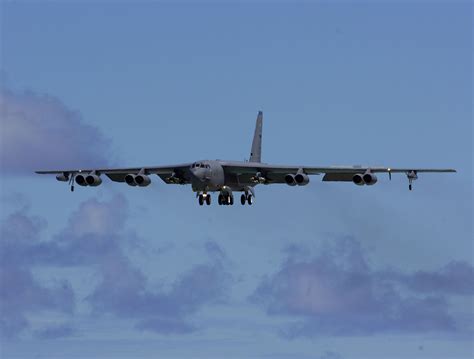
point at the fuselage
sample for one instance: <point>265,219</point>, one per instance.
<point>209,176</point>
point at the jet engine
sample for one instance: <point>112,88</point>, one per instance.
<point>301,179</point>
<point>93,180</point>
<point>137,180</point>
<point>369,179</point>
<point>290,180</point>
<point>358,179</point>
<point>63,177</point>
<point>142,180</point>
<point>130,179</point>
<point>81,180</point>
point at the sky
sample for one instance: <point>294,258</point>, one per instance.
<point>324,271</point>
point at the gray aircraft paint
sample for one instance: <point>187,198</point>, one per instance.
<point>227,177</point>
<point>256,151</point>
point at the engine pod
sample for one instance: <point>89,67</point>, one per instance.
<point>358,179</point>
<point>93,180</point>
<point>301,179</point>
<point>142,180</point>
<point>290,180</point>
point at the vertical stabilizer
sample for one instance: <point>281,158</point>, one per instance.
<point>256,152</point>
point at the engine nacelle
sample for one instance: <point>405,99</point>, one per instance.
<point>142,180</point>
<point>63,177</point>
<point>93,180</point>
<point>137,180</point>
<point>301,179</point>
<point>358,179</point>
<point>290,180</point>
<point>369,179</point>
<point>130,180</point>
<point>81,180</point>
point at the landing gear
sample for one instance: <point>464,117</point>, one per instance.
<point>246,198</point>
<point>204,198</point>
<point>412,176</point>
<point>225,200</point>
<point>71,182</point>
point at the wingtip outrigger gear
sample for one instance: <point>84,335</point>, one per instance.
<point>411,175</point>
<point>71,182</point>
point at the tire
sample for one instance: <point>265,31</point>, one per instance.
<point>201,199</point>
<point>243,199</point>
<point>208,199</point>
<point>231,200</point>
<point>250,199</point>
<point>219,199</point>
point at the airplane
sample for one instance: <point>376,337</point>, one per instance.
<point>227,177</point>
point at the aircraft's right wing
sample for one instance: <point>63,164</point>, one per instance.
<point>174,174</point>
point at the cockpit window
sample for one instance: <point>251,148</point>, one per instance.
<point>200,165</point>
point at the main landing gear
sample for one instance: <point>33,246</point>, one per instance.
<point>204,197</point>
<point>225,200</point>
<point>246,198</point>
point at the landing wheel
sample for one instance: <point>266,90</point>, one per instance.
<point>250,199</point>
<point>243,199</point>
<point>201,200</point>
<point>230,200</point>
<point>220,199</point>
<point>208,199</point>
<point>410,187</point>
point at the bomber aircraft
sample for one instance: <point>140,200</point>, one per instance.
<point>227,177</point>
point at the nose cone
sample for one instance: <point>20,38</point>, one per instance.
<point>199,173</point>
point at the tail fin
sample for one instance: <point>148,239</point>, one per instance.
<point>256,152</point>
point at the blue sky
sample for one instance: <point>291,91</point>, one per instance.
<point>323,271</point>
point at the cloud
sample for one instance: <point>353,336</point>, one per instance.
<point>21,293</point>
<point>455,277</point>
<point>96,237</point>
<point>40,132</point>
<point>166,326</point>
<point>338,293</point>
<point>55,332</point>
<point>156,309</point>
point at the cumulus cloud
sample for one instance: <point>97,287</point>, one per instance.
<point>338,293</point>
<point>21,293</point>
<point>96,237</point>
<point>55,331</point>
<point>40,132</point>
<point>455,277</point>
<point>124,292</point>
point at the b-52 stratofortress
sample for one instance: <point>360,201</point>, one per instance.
<point>227,177</point>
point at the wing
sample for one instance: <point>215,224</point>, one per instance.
<point>246,171</point>
<point>173,174</point>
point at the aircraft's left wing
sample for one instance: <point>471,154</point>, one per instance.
<point>174,174</point>
<point>278,174</point>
